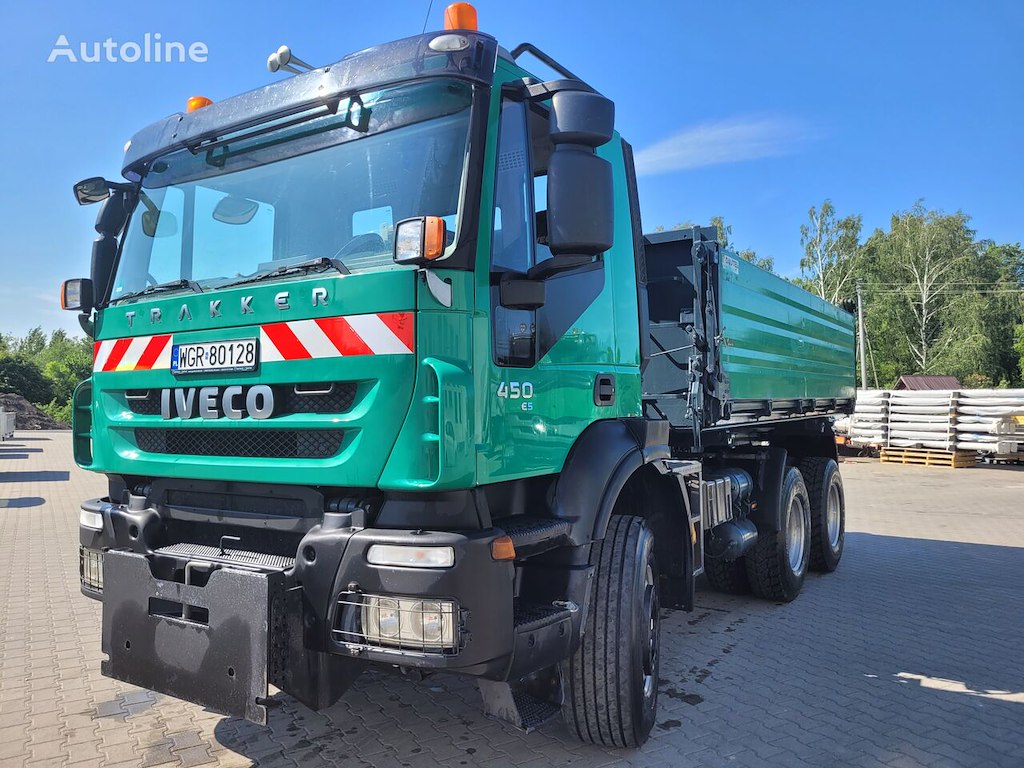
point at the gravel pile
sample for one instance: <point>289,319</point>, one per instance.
<point>26,415</point>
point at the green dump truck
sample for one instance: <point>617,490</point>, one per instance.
<point>388,376</point>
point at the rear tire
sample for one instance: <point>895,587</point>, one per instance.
<point>611,681</point>
<point>777,563</point>
<point>828,512</point>
<point>728,576</point>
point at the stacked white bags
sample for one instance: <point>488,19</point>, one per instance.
<point>960,419</point>
<point>985,420</point>
<point>868,424</point>
<point>922,419</point>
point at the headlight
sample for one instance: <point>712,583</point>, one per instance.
<point>423,624</point>
<point>92,520</point>
<point>411,557</point>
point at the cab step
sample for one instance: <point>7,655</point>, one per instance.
<point>533,535</point>
<point>516,706</point>
<point>532,617</point>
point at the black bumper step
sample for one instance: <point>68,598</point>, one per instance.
<point>227,556</point>
<point>533,535</point>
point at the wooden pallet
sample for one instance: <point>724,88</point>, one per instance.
<point>929,457</point>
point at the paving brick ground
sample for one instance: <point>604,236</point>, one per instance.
<point>909,655</point>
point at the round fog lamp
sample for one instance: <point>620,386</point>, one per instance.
<point>389,617</point>
<point>433,622</point>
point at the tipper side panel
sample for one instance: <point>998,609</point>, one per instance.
<point>781,342</point>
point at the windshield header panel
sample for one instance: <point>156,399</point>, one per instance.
<point>395,62</point>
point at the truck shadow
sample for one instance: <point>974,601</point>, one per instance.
<point>15,451</point>
<point>40,476</point>
<point>23,503</point>
<point>900,654</point>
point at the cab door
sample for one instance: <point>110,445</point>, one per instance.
<point>546,364</point>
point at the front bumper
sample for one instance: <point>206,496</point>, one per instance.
<point>182,619</point>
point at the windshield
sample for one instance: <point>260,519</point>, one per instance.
<point>329,187</point>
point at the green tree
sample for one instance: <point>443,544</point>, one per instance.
<point>831,248</point>
<point>1018,347</point>
<point>939,301</point>
<point>65,361</point>
<point>22,377</point>
<point>31,345</point>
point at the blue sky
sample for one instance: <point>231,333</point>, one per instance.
<point>751,110</point>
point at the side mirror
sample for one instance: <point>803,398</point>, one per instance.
<point>419,240</point>
<point>92,190</point>
<point>77,294</point>
<point>581,195</point>
<point>113,214</point>
<point>104,254</point>
<point>521,293</point>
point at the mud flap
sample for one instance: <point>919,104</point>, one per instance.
<point>217,658</point>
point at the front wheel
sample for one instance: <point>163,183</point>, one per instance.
<point>777,563</point>
<point>611,682</point>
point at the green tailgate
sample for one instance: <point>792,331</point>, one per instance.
<point>780,342</point>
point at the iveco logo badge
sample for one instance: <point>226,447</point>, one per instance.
<point>235,402</point>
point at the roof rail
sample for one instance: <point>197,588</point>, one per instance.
<point>537,53</point>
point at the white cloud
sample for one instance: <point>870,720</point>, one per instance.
<point>719,142</point>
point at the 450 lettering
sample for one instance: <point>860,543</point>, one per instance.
<point>517,390</point>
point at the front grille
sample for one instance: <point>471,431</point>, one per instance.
<point>313,397</point>
<point>244,443</point>
<point>272,506</point>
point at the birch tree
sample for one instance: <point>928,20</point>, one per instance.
<point>831,250</point>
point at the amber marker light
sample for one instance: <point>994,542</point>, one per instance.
<point>433,237</point>
<point>197,102</point>
<point>460,16</point>
<point>502,548</point>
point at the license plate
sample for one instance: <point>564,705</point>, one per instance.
<point>212,356</point>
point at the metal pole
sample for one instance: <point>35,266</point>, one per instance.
<point>860,333</point>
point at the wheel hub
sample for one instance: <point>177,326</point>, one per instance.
<point>833,515</point>
<point>651,610</point>
<point>796,534</point>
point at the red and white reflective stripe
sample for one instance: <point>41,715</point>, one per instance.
<point>387,333</point>
<point>143,353</point>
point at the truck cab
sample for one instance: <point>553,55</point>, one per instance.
<point>372,387</point>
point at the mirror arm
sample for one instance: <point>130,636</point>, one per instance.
<point>529,89</point>
<point>558,264</point>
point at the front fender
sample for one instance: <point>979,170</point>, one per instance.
<point>600,462</point>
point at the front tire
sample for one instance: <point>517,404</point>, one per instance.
<point>828,511</point>
<point>777,563</point>
<point>611,681</point>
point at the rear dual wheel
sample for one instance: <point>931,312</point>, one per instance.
<point>778,562</point>
<point>828,511</point>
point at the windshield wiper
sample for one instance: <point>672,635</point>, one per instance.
<point>313,265</point>
<point>171,285</point>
